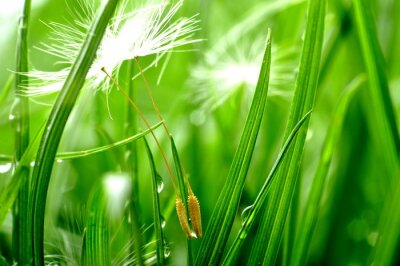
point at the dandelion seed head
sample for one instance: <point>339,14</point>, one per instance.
<point>149,30</point>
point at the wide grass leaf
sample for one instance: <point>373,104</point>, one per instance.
<point>55,127</point>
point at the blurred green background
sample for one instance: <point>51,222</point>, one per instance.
<point>204,96</point>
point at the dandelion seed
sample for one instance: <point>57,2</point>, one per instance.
<point>232,63</point>
<point>224,73</point>
<point>142,32</point>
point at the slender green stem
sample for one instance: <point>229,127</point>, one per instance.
<point>20,111</point>
<point>55,127</point>
<point>131,163</point>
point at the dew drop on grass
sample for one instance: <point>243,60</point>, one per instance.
<point>167,249</point>
<point>245,213</point>
<point>160,183</point>
<point>4,168</point>
<point>163,222</point>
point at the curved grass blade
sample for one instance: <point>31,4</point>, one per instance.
<point>234,251</point>
<point>221,221</point>
<point>285,183</point>
<point>97,237</point>
<point>20,111</point>
<point>79,154</point>
<point>55,127</point>
<point>156,209</point>
<point>311,211</point>
<point>183,191</point>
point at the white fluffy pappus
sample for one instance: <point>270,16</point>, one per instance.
<point>149,30</point>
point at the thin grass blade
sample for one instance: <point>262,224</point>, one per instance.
<point>97,237</point>
<point>20,113</point>
<point>183,190</point>
<point>221,221</point>
<point>156,209</point>
<point>79,154</point>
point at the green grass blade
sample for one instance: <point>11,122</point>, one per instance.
<point>183,190</point>
<point>248,223</point>
<point>79,154</point>
<point>303,101</point>
<point>10,192</point>
<point>221,221</point>
<point>310,213</point>
<point>156,209</point>
<point>6,89</point>
<point>387,246</point>
<point>382,124</point>
<point>378,105</point>
<point>20,111</point>
<point>97,237</point>
<point>131,166</point>
<point>55,126</point>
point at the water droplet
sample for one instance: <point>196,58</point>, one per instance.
<point>245,213</point>
<point>4,168</point>
<point>32,164</point>
<point>59,161</point>
<point>160,183</point>
<point>163,222</point>
<point>167,249</point>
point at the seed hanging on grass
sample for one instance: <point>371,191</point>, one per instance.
<point>183,220</point>
<point>194,213</point>
<point>180,207</point>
